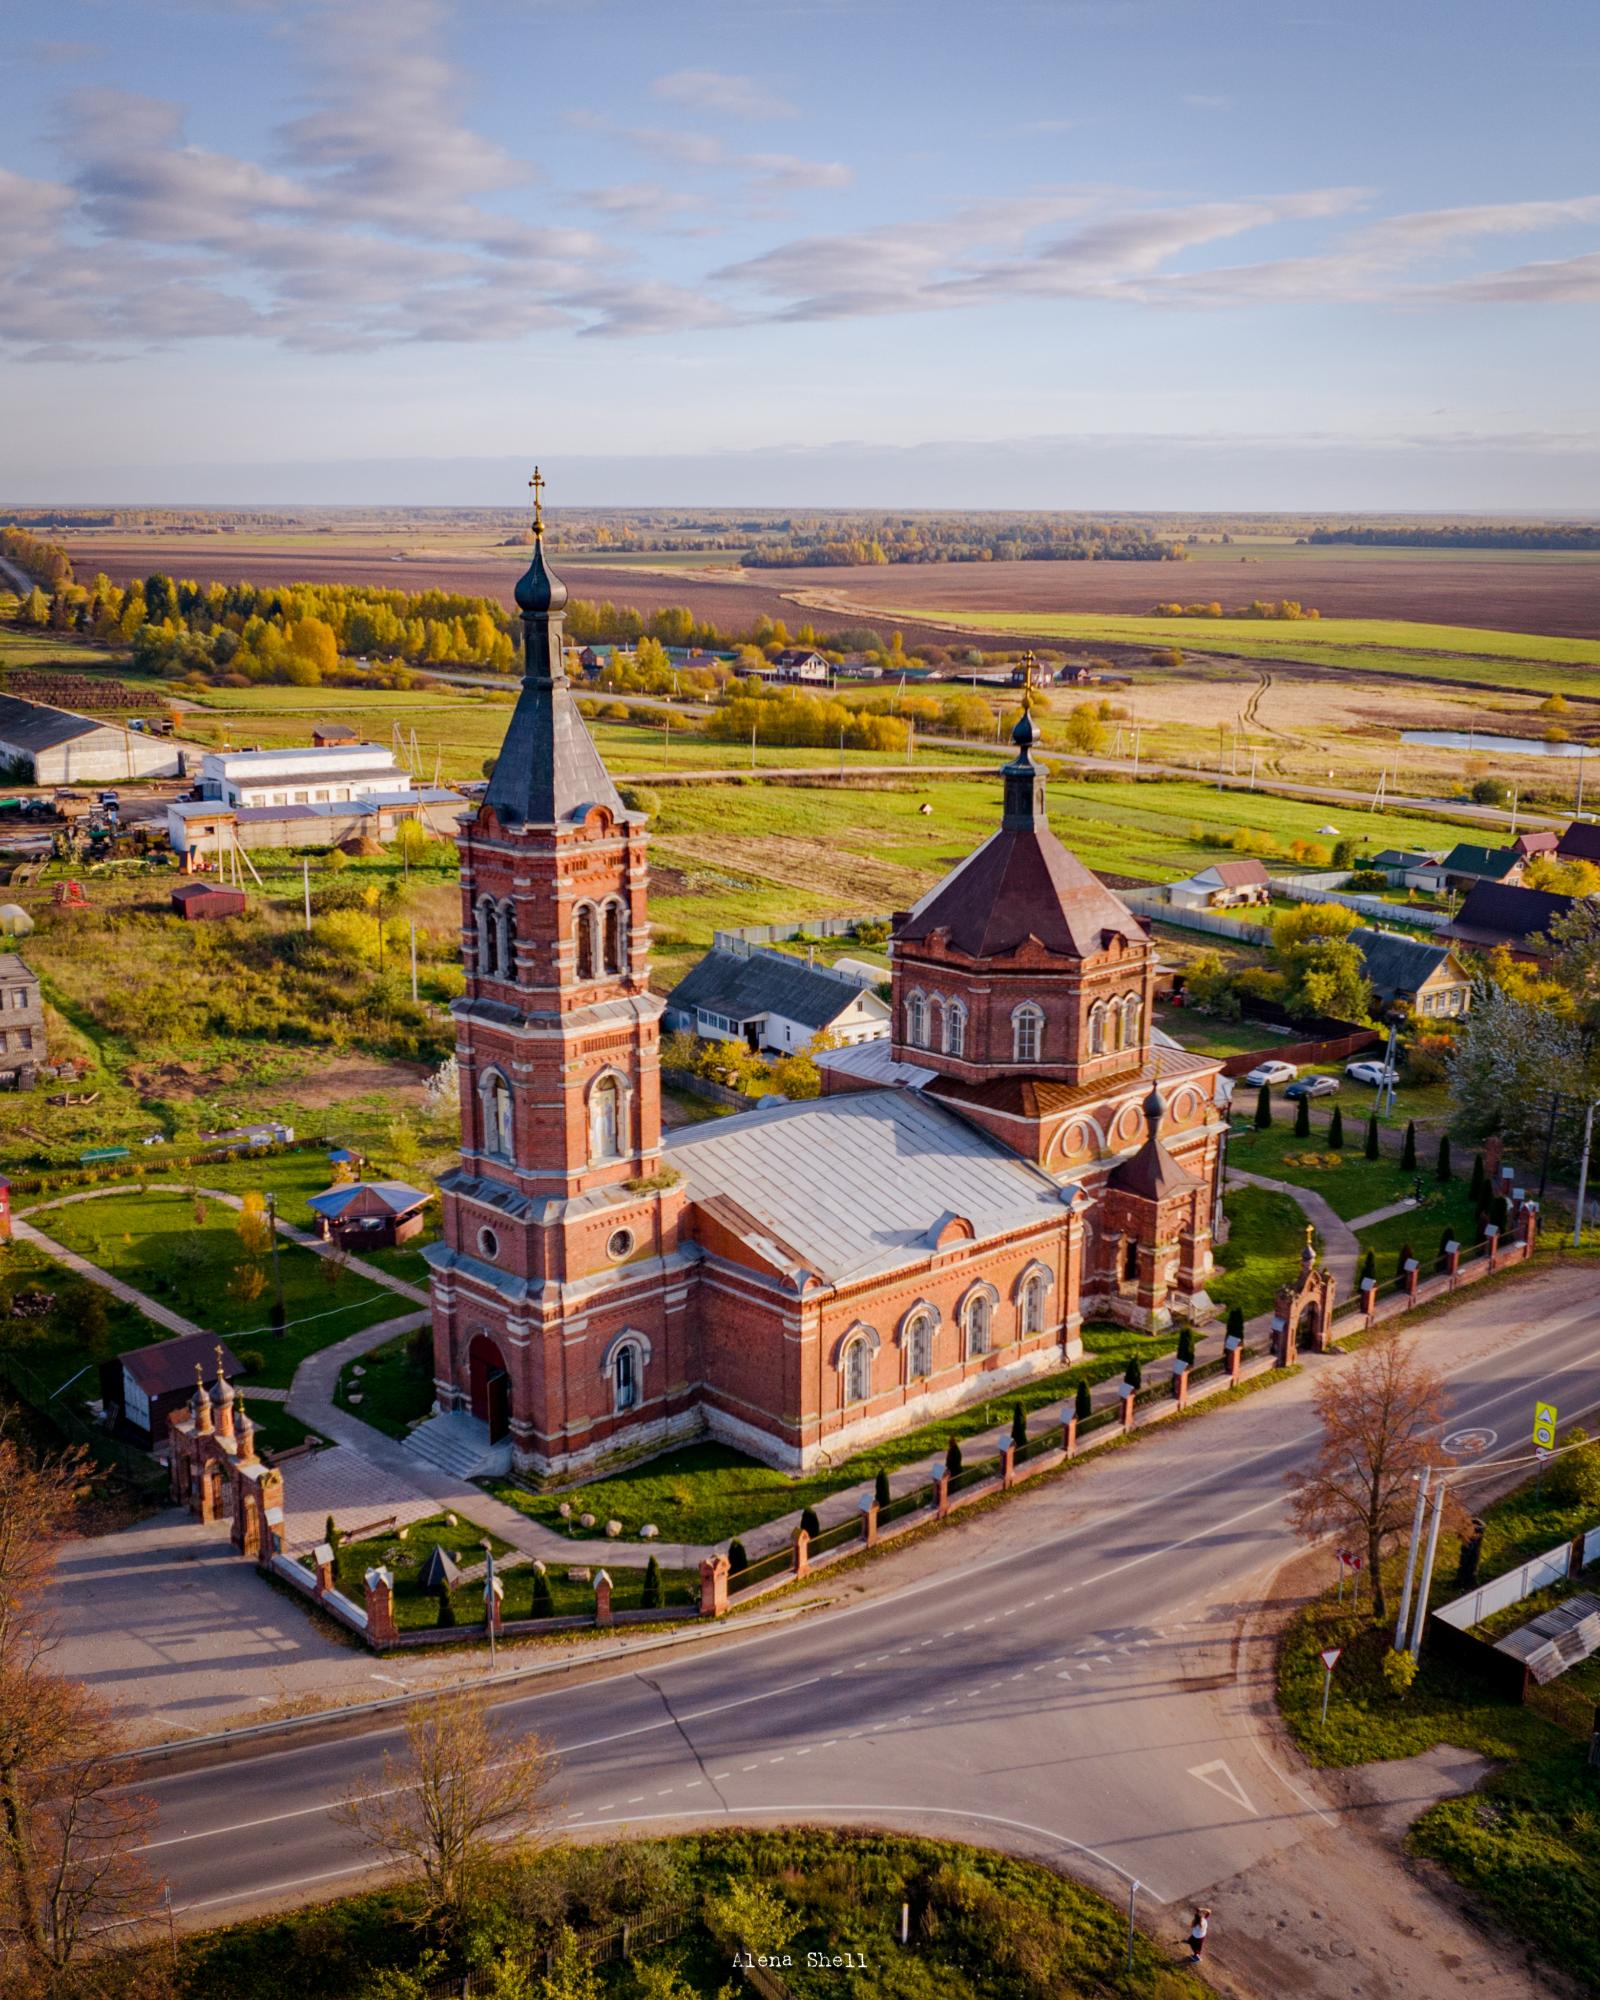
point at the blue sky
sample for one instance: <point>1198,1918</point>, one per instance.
<point>1122,253</point>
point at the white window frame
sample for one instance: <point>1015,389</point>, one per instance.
<point>1028,1017</point>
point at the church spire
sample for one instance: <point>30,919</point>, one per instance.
<point>548,769</point>
<point>1024,781</point>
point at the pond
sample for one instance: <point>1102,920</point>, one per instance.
<point>1490,745</point>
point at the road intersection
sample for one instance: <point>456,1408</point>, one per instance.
<point>1058,1676</point>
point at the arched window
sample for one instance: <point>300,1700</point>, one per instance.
<point>1132,1021</point>
<point>917,1020</point>
<point>625,1376</point>
<point>980,1320</point>
<point>1130,1258</point>
<point>508,940</point>
<point>615,939</point>
<point>488,940</point>
<point>857,1371</point>
<point>497,1115</point>
<point>1027,1032</point>
<point>605,1119</point>
<point>583,932</point>
<point>1097,1029</point>
<point>1033,1306</point>
<point>955,1029</point>
<point>919,1347</point>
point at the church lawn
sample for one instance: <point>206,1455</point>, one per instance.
<point>1266,1233</point>
<point>1450,1207</point>
<point>1352,1185</point>
<point>707,1492</point>
<point>394,1392</point>
<point>152,1241</point>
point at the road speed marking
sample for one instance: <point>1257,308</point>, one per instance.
<point>1470,1443</point>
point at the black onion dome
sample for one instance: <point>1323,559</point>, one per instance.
<point>1024,733</point>
<point>538,588</point>
<point>1155,1107</point>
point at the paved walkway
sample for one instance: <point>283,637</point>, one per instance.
<point>1340,1250</point>
<point>1405,1207</point>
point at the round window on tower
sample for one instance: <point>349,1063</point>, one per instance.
<point>488,1243</point>
<point>620,1243</point>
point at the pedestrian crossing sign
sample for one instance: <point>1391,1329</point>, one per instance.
<point>1544,1424</point>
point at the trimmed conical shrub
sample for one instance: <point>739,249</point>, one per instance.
<point>880,1490</point>
<point>1408,1154</point>
<point>1369,1266</point>
<point>809,1521</point>
<point>331,1535</point>
<point>1302,1118</point>
<point>737,1559</point>
<point>1019,1426</point>
<point>650,1596</point>
<point>1264,1108</point>
<point>447,1610</point>
<point>1082,1402</point>
<point>952,1458</point>
<point>1444,1171</point>
<point>1186,1345</point>
<point>1133,1374</point>
<point>1402,1260</point>
<point>1480,1181</point>
<point>1372,1136</point>
<point>1336,1130</point>
<point>1236,1322</point>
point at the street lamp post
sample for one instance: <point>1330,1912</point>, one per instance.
<point>278,1314</point>
<point>1583,1173</point>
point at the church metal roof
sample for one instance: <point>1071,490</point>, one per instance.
<point>857,1184</point>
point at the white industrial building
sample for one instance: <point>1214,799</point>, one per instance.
<point>201,829</point>
<point>56,747</point>
<point>318,775</point>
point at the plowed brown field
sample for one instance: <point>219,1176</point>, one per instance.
<point>1554,594</point>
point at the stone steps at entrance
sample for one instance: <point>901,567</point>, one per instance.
<point>459,1444</point>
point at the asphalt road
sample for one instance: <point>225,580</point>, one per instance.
<point>1054,1677</point>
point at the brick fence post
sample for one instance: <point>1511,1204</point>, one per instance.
<point>1530,1227</point>
<point>1413,1274</point>
<point>1233,1348</point>
<point>1069,1436</point>
<point>1008,1462</point>
<point>1369,1299</point>
<point>1127,1409</point>
<point>941,1488</point>
<point>869,1522</point>
<point>1452,1262</point>
<point>379,1585</point>
<point>323,1557</point>
<point>802,1552</point>
<point>602,1597</point>
<point>1491,1236</point>
<point>1180,1384</point>
<point>713,1586</point>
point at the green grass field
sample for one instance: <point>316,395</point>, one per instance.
<point>191,1261</point>
<point>1381,645</point>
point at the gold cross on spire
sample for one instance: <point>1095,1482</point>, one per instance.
<point>537,483</point>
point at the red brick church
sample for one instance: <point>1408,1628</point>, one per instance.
<point>804,1276</point>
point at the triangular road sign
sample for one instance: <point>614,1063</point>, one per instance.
<point>1330,1659</point>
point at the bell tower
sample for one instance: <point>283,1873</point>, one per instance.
<point>559,1192</point>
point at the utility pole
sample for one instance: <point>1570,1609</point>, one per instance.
<point>305,877</point>
<point>278,1315</point>
<point>413,959</point>
<point>753,728</point>
<point>1583,1175</point>
<point>1578,808</point>
<point>911,737</point>
<point>1427,1567</point>
<point>1411,1558</point>
<point>1252,767</point>
<point>1549,1141</point>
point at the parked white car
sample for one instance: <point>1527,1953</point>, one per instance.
<point>1272,1072</point>
<point>1376,1073</point>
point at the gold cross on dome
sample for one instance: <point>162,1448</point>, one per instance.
<point>537,483</point>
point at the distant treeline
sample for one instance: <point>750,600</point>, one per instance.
<point>45,563</point>
<point>834,544</point>
<point>1469,535</point>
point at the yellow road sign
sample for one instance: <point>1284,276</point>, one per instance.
<point>1544,1424</point>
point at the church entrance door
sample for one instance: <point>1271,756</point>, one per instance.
<point>490,1387</point>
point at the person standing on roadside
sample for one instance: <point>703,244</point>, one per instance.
<point>1199,1930</point>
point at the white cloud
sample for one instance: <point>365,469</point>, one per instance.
<point>712,93</point>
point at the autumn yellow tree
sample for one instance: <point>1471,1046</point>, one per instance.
<point>1379,1414</point>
